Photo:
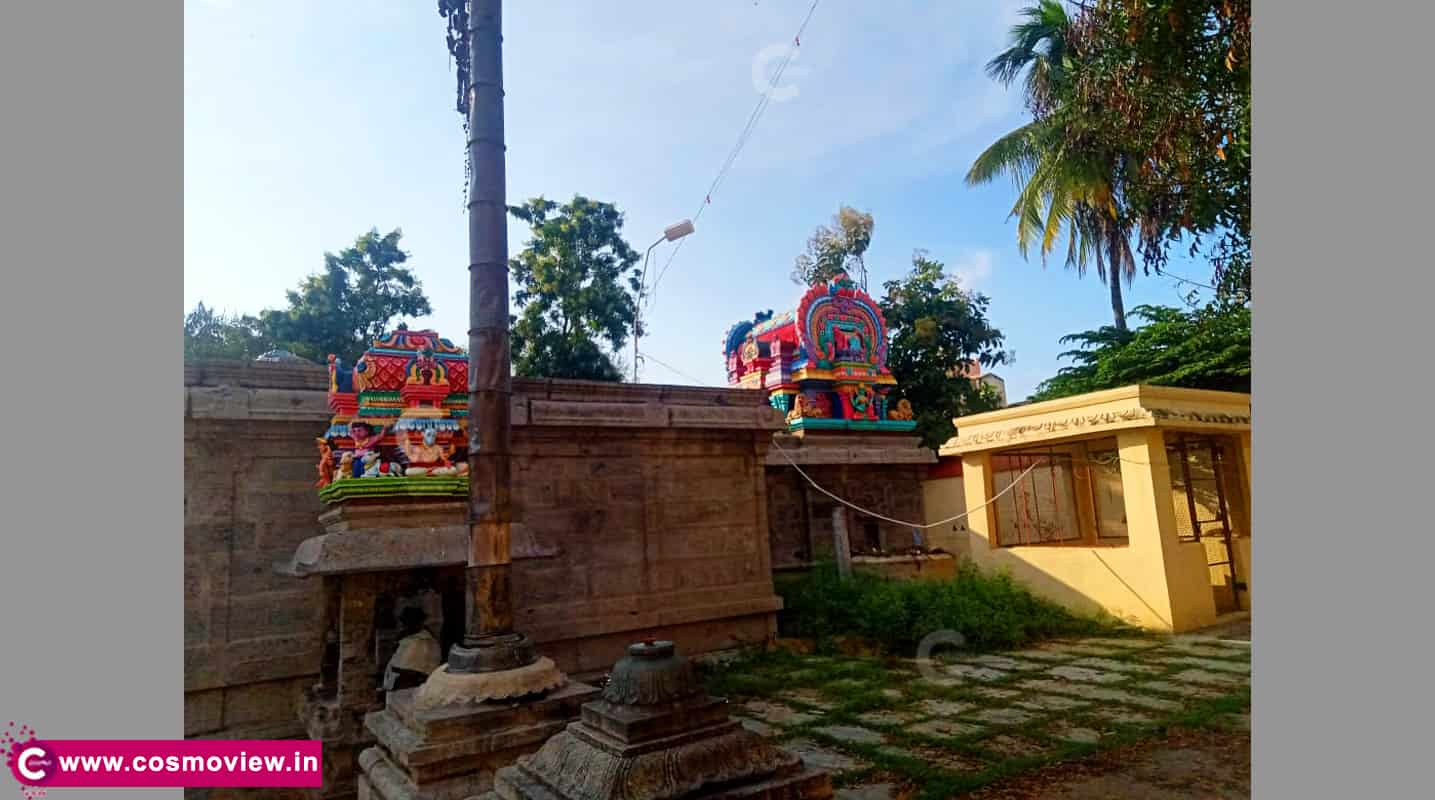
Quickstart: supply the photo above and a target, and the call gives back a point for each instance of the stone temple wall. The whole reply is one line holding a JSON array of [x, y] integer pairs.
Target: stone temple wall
[[643, 512], [800, 517], [882, 473]]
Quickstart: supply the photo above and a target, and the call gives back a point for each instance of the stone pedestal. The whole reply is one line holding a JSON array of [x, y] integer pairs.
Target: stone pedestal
[[374, 559], [656, 735], [453, 752]]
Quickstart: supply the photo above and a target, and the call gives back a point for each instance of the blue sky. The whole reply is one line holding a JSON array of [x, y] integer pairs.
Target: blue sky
[[309, 121]]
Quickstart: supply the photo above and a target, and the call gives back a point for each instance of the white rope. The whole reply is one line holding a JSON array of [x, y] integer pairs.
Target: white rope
[[918, 526], [854, 506]]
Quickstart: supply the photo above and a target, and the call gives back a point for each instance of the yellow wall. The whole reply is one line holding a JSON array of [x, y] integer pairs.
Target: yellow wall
[[1154, 581], [943, 498], [1243, 568], [1151, 578]]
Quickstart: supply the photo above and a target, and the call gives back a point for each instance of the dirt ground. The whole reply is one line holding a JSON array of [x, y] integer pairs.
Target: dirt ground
[[1187, 765]]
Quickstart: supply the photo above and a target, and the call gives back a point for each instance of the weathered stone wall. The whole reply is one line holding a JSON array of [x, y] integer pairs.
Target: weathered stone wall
[[643, 507], [251, 638], [800, 517]]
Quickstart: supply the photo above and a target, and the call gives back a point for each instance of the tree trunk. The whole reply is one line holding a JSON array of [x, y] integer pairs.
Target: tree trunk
[[1118, 309], [1117, 263]]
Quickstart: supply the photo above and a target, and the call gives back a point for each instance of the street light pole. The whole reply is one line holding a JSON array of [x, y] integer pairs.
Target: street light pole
[[670, 234]]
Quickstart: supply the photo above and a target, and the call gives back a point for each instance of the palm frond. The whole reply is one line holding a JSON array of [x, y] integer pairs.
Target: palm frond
[[1015, 153]]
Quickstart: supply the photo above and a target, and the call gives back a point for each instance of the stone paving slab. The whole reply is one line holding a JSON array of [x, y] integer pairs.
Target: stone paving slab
[[809, 697], [974, 672], [887, 719], [819, 757], [997, 693], [1006, 663], [1182, 689], [852, 733], [1122, 716], [1085, 675], [893, 694], [1237, 667], [1124, 644], [947, 760], [945, 728], [1116, 666], [1152, 703], [1207, 650], [944, 708], [1205, 640], [867, 791], [1078, 649], [1051, 702], [1042, 655], [1002, 716], [1092, 692], [1014, 746], [1211, 678], [776, 713], [757, 727], [1072, 733]]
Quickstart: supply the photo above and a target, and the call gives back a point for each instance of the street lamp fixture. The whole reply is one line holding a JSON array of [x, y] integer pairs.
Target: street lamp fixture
[[672, 233]]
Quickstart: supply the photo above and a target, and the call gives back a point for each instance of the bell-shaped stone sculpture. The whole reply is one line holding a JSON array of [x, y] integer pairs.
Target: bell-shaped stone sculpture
[[655, 734]]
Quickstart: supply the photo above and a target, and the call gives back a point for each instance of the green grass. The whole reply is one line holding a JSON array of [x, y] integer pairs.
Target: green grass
[[850, 686], [990, 610]]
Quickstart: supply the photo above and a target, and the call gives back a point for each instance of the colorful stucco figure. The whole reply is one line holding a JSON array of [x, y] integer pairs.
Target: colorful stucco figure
[[824, 364], [400, 420]]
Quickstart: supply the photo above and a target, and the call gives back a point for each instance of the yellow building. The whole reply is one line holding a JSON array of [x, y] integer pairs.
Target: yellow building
[[1135, 501]]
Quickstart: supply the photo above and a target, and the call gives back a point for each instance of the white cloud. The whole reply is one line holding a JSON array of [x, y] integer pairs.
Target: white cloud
[[974, 267]]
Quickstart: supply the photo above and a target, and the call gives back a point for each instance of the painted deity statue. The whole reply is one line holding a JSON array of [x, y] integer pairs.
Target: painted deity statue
[[326, 463], [400, 420], [823, 364], [426, 453]]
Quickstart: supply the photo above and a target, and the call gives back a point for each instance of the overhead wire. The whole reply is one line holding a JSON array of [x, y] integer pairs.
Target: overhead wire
[[742, 139]]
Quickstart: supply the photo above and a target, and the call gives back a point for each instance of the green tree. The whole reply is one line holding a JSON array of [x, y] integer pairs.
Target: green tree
[[352, 302], [570, 290], [936, 330], [1064, 178], [836, 248], [1200, 348], [209, 334], [1168, 82]]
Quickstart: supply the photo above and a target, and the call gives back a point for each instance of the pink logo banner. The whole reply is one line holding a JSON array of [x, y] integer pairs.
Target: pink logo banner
[[52, 763]]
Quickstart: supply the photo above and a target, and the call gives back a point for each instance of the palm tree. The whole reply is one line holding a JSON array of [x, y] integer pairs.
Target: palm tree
[[1062, 181]]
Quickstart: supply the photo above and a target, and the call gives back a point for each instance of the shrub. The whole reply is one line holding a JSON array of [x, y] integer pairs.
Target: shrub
[[990, 610]]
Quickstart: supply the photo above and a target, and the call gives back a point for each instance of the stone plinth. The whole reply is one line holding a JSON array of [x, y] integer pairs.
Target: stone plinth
[[372, 560], [452, 753], [927, 566], [656, 735]]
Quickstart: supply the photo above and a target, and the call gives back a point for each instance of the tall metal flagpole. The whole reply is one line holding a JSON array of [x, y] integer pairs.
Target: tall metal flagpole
[[489, 642]]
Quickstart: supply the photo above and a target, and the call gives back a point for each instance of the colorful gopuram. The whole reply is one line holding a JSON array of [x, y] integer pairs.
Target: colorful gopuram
[[400, 421], [824, 365]]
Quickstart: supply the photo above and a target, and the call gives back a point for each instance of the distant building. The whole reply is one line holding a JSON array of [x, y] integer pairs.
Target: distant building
[[974, 371]]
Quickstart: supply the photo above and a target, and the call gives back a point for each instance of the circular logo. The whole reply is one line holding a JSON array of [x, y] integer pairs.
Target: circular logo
[[931, 668], [764, 69], [34, 763]]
